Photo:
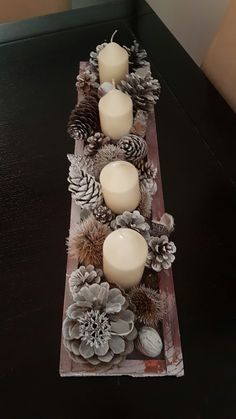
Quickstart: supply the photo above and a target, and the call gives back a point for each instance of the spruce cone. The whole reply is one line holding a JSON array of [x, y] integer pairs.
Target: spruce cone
[[144, 91], [95, 142], [87, 81], [84, 119], [79, 162], [93, 61], [135, 147], [105, 155], [103, 214], [85, 275], [133, 220], [85, 190], [98, 328], [136, 56], [147, 305], [161, 253]]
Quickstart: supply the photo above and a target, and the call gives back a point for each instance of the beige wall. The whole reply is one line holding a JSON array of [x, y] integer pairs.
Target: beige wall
[[192, 22]]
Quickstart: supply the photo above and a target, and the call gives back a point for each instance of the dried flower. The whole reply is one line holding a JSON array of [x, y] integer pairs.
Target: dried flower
[[133, 220], [84, 275], [147, 304], [87, 242], [160, 253], [105, 155]]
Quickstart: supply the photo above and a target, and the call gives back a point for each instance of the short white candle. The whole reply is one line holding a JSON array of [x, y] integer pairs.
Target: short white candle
[[124, 256], [113, 62], [116, 114], [120, 186]]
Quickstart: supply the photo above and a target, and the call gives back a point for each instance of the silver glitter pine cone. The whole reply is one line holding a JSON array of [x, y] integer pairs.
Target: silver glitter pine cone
[[160, 253]]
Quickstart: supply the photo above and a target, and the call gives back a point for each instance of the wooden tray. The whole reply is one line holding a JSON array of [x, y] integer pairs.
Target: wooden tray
[[170, 362]]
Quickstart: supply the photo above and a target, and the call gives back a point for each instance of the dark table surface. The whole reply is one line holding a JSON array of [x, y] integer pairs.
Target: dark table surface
[[197, 142]]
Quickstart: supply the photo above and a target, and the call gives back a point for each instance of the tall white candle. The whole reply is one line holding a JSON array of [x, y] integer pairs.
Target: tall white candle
[[120, 186], [124, 255], [116, 114], [113, 62]]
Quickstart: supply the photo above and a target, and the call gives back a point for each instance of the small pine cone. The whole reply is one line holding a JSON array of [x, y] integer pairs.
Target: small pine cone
[[95, 142], [93, 61], [147, 304], [148, 185], [136, 56], [79, 162], [146, 170], [105, 155], [144, 91], [85, 190], [87, 80], [145, 205], [84, 275], [103, 214], [84, 119], [160, 253], [135, 147], [133, 220]]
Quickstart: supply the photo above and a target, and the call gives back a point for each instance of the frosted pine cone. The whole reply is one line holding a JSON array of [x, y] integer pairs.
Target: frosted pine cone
[[98, 328], [161, 253], [144, 91], [93, 61], [84, 119], [134, 147], [77, 163], [87, 80], [85, 190], [146, 170], [95, 142], [103, 214], [136, 56], [133, 220], [84, 275]]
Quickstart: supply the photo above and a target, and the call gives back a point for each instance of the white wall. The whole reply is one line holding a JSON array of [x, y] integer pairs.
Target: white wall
[[192, 22]]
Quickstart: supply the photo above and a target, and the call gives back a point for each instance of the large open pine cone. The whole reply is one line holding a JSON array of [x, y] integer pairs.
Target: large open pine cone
[[144, 91], [136, 56], [98, 327], [85, 190], [133, 220], [134, 147], [84, 119], [160, 253]]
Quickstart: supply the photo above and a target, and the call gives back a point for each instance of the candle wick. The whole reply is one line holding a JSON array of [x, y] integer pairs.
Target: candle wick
[[112, 36]]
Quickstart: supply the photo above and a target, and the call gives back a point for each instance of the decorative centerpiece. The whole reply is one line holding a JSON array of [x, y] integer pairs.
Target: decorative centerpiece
[[119, 313]]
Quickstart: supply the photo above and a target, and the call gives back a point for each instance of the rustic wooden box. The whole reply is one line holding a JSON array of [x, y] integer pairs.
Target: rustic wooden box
[[170, 361]]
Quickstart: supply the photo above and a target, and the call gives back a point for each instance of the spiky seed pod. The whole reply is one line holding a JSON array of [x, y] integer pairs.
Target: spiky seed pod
[[84, 275], [105, 155], [87, 80], [144, 91], [84, 119], [98, 328], [86, 243], [133, 220], [93, 61], [160, 253], [95, 142], [135, 147], [137, 56], [78, 163], [85, 190], [147, 304], [103, 214], [145, 205]]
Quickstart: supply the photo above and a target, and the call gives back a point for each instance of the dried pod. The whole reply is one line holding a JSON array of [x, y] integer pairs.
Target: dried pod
[[149, 342]]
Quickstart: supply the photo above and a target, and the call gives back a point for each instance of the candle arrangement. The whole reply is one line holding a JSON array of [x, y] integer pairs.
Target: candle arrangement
[[119, 248]]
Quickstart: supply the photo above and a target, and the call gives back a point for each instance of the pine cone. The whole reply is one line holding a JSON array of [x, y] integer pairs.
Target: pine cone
[[146, 170], [85, 190], [144, 91], [145, 205], [105, 155], [161, 253], [79, 162], [136, 56], [135, 148], [84, 119], [85, 275], [98, 328], [95, 142], [133, 220], [93, 61], [87, 81], [103, 214]]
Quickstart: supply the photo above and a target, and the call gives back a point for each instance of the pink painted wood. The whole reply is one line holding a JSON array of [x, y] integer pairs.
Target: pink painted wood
[[172, 361]]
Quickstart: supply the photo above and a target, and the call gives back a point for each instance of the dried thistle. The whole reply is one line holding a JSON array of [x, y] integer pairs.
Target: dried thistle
[[147, 304], [145, 205], [86, 243], [105, 155]]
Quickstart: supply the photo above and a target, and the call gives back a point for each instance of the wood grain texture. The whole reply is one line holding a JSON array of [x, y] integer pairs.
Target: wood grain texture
[[173, 360]]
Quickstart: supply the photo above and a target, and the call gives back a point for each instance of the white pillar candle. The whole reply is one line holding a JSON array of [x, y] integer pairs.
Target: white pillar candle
[[113, 62], [120, 186], [116, 114], [124, 255]]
